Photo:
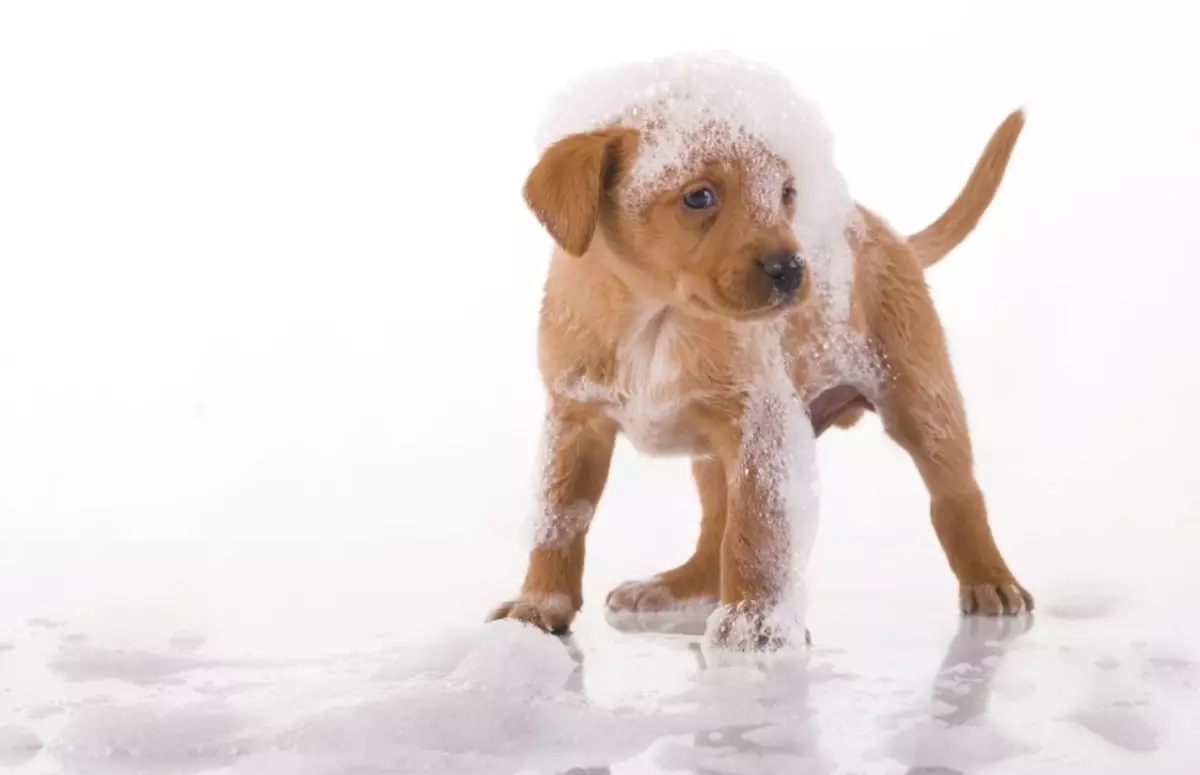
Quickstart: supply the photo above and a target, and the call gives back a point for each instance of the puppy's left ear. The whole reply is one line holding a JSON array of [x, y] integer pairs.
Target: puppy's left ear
[[566, 187]]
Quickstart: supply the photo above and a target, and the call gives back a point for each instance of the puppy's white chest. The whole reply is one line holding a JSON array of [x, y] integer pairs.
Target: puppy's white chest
[[650, 402]]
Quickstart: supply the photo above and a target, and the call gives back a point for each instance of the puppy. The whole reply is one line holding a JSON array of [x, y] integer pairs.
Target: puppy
[[715, 292]]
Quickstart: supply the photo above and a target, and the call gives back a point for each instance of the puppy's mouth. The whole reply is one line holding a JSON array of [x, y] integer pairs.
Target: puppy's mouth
[[776, 306], [781, 301], [704, 298]]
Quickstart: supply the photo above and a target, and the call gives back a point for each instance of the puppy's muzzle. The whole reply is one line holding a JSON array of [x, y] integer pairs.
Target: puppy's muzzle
[[785, 271]]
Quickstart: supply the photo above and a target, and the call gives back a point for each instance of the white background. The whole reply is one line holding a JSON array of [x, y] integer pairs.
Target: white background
[[268, 293]]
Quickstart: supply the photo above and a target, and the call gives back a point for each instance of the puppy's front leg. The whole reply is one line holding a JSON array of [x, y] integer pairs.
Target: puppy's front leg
[[770, 526], [578, 449]]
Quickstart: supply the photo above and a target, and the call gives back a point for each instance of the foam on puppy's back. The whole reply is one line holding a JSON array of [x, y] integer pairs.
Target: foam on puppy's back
[[691, 107]]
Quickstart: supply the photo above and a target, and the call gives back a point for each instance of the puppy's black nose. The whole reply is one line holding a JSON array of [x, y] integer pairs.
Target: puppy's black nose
[[785, 270]]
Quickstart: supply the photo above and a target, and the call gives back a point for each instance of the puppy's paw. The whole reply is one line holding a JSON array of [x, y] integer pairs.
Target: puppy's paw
[[752, 627], [1005, 599], [551, 612], [653, 605]]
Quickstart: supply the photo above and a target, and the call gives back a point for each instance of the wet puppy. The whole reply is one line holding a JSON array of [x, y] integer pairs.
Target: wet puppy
[[715, 292]]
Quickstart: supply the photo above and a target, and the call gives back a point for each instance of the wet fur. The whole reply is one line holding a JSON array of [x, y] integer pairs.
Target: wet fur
[[642, 331]]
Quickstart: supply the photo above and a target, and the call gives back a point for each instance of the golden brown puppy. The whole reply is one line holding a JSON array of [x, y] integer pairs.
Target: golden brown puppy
[[716, 293]]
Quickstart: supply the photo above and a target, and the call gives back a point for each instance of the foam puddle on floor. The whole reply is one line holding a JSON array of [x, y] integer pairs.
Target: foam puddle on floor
[[480, 701]]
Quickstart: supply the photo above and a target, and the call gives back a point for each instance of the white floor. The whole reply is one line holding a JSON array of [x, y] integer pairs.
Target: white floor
[[268, 401]]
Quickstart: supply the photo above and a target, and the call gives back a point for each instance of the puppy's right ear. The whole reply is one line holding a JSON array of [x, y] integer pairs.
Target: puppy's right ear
[[565, 188]]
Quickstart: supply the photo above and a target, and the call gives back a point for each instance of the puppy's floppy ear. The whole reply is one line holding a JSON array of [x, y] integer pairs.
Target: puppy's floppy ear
[[565, 188]]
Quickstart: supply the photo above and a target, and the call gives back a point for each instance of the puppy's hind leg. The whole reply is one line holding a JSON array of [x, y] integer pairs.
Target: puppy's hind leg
[[685, 595], [922, 410]]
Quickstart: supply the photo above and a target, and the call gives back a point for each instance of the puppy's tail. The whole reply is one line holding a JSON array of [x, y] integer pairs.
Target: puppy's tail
[[943, 235]]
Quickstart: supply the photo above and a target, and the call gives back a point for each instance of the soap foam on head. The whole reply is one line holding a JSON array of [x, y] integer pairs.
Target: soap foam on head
[[698, 106]]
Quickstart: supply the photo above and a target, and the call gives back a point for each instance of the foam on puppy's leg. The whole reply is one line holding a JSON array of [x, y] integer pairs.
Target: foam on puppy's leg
[[775, 488]]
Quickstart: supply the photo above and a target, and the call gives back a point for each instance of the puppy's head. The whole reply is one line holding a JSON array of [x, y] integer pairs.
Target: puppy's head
[[711, 235]]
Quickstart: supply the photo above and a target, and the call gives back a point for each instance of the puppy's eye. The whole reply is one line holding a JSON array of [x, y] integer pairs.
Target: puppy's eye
[[789, 195], [700, 199]]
